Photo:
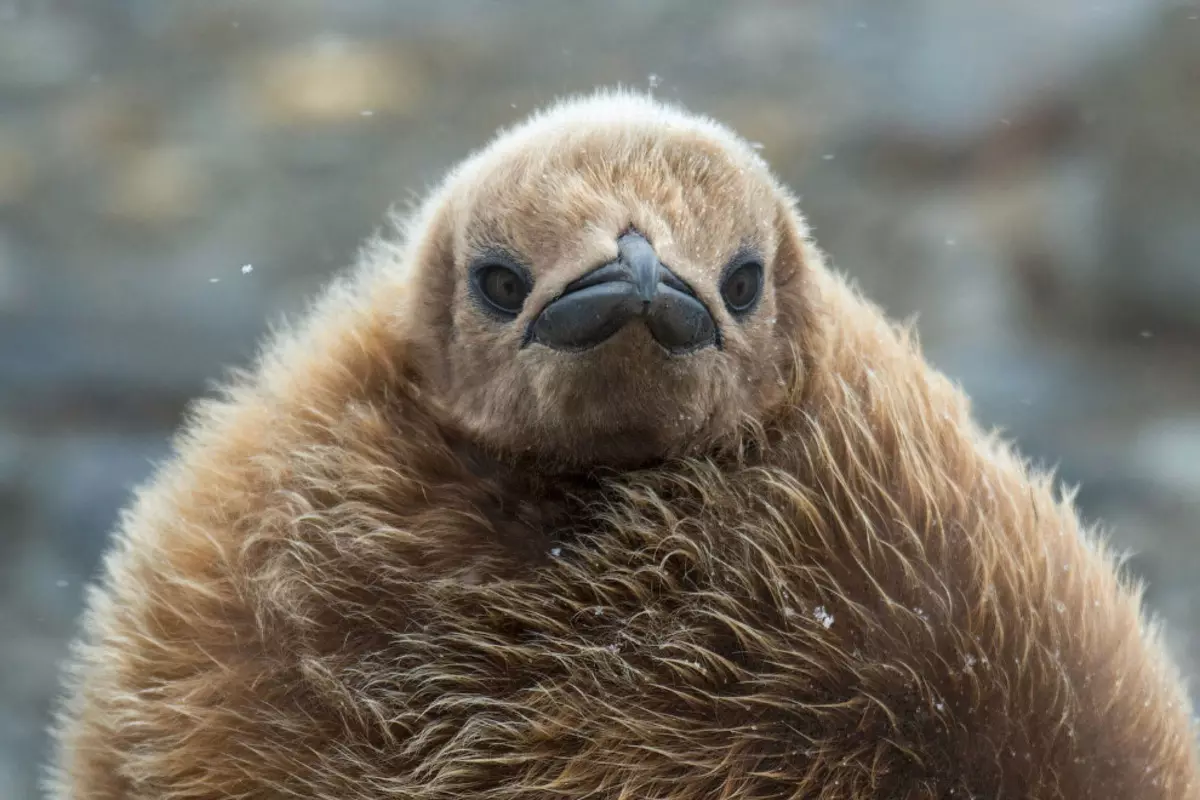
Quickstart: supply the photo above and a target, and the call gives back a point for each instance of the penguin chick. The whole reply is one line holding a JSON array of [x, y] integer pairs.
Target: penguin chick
[[608, 284], [598, 483]]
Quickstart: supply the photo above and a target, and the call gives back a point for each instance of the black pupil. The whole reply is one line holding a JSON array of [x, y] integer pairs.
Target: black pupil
[[742, 287], [504, 288]]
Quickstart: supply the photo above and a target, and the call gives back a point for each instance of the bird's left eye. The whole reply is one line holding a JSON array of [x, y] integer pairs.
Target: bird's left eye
[[741, 287], [502, 288]]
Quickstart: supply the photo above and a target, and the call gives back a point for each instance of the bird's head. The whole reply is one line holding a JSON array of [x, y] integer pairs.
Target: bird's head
[[612, 282]]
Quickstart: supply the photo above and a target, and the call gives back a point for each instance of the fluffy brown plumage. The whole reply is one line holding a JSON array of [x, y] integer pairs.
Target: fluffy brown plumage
[[405, 557]]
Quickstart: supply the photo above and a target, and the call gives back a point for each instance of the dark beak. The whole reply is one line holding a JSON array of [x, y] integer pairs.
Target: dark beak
[[634, 287]]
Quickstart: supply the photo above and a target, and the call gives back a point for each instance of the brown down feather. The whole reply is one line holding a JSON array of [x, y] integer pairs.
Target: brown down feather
[[400, 558]]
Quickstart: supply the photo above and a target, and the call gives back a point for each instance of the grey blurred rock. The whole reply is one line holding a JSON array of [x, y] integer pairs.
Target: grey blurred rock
[[12, 279], [1022, 178], [1149, 230], [38, 48], [951, 71], [1167, 454], [80, 482]]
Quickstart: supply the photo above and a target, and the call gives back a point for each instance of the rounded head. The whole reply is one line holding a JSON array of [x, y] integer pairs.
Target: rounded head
[[612, 282]]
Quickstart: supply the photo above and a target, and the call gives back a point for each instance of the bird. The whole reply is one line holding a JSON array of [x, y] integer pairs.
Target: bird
[[592, 477]]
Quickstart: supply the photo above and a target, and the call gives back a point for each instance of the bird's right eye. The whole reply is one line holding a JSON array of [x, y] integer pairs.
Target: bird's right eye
[[502, 288]]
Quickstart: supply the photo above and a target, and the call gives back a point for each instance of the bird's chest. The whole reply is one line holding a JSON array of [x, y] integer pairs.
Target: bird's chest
[[680, 628]]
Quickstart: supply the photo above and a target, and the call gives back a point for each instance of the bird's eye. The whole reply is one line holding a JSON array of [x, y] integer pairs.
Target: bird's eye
[[503, 288], [741, 287]]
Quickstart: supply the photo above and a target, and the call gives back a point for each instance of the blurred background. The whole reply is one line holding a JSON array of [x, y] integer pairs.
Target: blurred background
[[1023, 176]]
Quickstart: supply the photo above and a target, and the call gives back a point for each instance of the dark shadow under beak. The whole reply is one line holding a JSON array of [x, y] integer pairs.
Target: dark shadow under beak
[[634, 287]]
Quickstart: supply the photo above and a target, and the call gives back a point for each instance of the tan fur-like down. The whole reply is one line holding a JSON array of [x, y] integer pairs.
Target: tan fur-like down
[[404, 557]]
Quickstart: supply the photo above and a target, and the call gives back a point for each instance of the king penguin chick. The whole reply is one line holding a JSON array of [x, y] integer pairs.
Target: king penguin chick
[[596, 482]]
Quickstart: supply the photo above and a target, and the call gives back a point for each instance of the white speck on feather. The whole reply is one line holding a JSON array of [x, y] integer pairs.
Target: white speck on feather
[[556, 551], [1060, 607], [822, 616], [940, 706]]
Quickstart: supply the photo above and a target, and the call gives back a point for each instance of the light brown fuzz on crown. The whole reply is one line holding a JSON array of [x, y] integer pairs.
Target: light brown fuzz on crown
[[411, 555]]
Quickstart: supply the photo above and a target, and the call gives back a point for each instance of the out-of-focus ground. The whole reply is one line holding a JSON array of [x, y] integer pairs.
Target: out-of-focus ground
[[1025, 176]]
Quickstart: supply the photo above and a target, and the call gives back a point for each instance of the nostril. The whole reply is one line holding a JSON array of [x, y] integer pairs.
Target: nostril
[[646, 292]]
